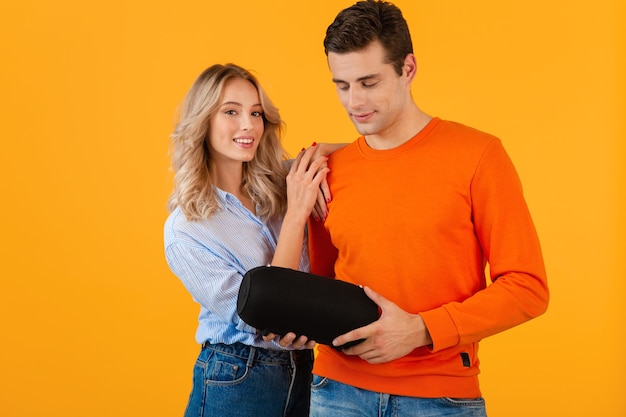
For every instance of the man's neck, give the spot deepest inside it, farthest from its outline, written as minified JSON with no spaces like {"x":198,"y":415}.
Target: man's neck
{"x":409,"y":124}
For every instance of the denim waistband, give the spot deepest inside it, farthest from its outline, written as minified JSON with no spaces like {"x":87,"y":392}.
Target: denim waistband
{"x":257,"y":354}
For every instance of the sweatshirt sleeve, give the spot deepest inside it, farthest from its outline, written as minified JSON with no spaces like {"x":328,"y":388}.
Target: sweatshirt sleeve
{"x":507,"y":235}
{"x":322,"y":252}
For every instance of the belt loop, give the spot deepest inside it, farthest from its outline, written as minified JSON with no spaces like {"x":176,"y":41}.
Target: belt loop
{"x":251,"y":357}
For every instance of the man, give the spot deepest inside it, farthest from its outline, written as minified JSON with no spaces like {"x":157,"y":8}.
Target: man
{"x":419,"y":206}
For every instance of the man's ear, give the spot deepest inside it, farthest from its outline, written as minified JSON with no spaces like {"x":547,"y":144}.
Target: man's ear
{"x":409,"y":69}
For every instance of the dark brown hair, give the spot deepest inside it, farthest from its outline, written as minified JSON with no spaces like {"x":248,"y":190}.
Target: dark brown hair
{"x":367,"y":21}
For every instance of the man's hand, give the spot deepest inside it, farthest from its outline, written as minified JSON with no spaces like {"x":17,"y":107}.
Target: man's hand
{"x":394,"y":335}
{"x":301,"y":342}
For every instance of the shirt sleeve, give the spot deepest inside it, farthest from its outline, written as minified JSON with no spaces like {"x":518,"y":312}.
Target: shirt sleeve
{"x":212,"y":281}
{"x":510,"y":244}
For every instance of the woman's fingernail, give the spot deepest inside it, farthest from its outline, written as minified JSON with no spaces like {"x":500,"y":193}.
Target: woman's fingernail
{"x":314,"y":144}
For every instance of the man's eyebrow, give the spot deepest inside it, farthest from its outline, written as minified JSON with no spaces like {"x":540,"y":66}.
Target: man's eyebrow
{"x":363,"y":78}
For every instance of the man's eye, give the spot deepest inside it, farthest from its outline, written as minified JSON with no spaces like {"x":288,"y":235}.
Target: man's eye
{"x":370,"y":85}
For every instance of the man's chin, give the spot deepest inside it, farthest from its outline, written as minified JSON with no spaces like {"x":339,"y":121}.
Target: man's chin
{"x":364,"y":129}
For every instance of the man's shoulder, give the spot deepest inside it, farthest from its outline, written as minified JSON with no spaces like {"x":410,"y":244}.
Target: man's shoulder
{"x":460,"y":129}
{"x":346,"y":151}
{"x":461,"y":136}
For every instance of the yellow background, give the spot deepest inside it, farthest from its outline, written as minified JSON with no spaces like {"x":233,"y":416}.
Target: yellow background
{"x":91,"y":320}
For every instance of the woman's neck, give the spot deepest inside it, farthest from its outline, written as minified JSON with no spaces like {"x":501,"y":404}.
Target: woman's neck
{"x":229,"y":179}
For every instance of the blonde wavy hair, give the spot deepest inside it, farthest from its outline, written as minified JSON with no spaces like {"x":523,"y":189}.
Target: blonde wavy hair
{"x":263,"y":177}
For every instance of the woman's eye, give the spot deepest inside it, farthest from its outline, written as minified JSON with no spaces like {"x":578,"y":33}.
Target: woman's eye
{"x":230,"y":112}
{"x":257,"y":114}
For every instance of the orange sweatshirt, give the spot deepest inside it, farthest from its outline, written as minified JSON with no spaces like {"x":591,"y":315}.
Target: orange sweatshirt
{"x":418,"y":224}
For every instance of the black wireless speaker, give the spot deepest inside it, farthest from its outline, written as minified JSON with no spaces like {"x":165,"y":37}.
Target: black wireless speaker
{"x":281,"y":300}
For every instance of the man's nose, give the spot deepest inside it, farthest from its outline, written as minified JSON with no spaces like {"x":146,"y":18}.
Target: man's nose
{"x":356,"y":98}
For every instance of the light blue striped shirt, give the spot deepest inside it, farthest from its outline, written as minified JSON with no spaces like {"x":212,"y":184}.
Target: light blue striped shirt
{"x":211,"y":256}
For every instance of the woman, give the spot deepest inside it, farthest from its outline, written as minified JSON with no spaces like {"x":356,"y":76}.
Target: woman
{"x":235,"y":207}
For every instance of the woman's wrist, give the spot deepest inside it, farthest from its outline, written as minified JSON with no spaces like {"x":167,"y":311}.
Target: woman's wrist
{"x":294,"y":220}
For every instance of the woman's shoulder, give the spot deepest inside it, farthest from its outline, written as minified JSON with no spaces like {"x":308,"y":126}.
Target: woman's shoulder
{"x":179,"y":229}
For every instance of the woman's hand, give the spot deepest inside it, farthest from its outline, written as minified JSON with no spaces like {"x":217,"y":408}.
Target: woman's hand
{"x":304,"y":180}
{"x":290,"y":340}
{"x":303,"y":184}
{"x":323,"y":150}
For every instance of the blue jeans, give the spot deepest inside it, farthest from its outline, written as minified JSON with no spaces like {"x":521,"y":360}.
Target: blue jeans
{"x":332,"y":398}
{"x":240,"y":381}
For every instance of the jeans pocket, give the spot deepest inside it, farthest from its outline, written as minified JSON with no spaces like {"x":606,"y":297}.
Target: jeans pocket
{"x":221,"y":369}
{"x":465,"y":402}
{"x":318,"y":382}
